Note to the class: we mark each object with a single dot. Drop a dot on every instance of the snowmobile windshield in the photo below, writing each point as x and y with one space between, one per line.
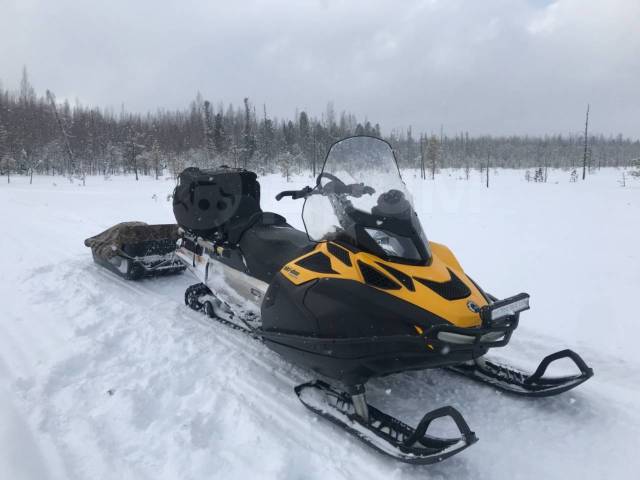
360 199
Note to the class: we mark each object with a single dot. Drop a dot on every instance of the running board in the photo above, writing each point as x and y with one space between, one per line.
383 432
521 383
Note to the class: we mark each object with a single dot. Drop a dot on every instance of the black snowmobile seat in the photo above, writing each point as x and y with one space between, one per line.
239 225
271 243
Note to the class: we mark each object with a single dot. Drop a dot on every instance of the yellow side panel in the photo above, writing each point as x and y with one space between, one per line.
455 311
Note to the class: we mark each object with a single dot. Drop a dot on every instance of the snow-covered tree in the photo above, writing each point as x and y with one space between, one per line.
286 163
623 180
304 138
30 162
133 148
433 149
156 158
574 176
208 132
60 139
220 139
538 176
248 148
7 165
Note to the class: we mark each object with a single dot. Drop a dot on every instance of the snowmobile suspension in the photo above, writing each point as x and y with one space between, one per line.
359 401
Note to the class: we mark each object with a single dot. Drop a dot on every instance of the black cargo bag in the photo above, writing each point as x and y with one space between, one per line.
209 203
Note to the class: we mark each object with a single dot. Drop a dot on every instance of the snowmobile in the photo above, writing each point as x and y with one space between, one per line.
361 294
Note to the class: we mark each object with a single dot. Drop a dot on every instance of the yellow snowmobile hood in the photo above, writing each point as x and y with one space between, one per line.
441 288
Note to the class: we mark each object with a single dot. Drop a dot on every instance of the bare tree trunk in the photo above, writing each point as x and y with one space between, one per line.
315 153
433 168
586 145
440 151
423 173
465 159
487 170
134 161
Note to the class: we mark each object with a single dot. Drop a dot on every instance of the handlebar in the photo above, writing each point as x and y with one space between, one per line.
337 186
334 186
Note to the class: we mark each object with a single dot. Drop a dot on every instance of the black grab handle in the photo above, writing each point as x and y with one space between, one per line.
468 435
585 370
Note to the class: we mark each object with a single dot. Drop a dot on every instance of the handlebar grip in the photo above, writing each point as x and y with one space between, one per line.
302 193
295 194
286 193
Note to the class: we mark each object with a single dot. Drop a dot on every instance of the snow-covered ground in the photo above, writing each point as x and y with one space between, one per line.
106 379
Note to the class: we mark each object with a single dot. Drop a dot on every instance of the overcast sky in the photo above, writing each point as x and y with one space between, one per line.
490 66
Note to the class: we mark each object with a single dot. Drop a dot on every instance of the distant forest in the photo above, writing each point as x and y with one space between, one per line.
40 135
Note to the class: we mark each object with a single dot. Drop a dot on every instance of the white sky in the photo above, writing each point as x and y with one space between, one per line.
490 66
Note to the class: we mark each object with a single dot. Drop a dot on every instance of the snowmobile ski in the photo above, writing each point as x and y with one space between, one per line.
383 432
521 383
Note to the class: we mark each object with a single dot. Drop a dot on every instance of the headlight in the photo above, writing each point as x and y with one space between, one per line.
505 308
394 245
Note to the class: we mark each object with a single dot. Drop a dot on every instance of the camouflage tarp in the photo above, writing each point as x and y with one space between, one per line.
110 242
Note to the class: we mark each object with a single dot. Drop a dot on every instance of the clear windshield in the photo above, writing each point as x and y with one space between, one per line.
360 194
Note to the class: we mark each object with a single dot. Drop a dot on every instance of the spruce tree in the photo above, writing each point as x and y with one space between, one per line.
208 131
432 155
248 139
220 142
304 137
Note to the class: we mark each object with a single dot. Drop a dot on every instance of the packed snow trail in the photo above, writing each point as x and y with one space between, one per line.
103 378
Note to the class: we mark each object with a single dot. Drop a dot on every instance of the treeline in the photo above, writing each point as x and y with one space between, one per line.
40 135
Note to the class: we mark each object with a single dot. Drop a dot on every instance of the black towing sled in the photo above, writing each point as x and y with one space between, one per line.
135 250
